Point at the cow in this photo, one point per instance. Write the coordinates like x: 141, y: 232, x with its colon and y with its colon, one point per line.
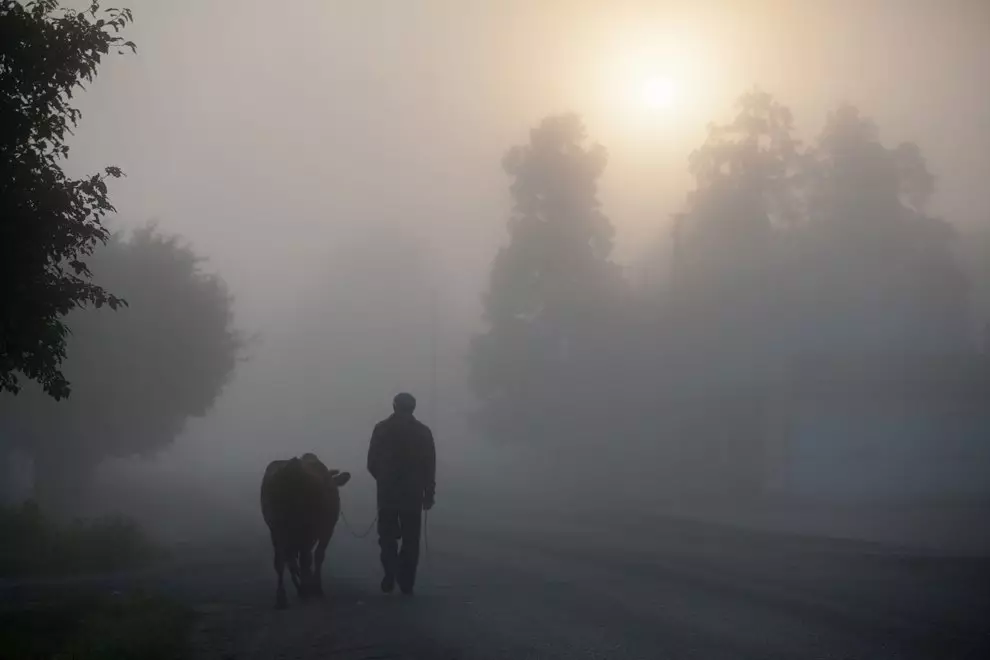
x: 300, y: 503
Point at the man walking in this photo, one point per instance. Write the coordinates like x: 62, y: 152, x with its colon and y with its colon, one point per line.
x: 402, y: 459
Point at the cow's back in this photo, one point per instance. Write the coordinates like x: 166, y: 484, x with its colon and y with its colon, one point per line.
x: 298, y: 499
x: 326, y: 507
x: 288, y: 494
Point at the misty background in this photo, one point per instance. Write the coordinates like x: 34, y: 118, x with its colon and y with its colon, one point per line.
x: 340, y: 167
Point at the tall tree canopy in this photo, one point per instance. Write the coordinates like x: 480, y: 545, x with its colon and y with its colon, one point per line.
x: 139, y: 373
x: 785, y: 252
x: 976, y: 255
x: 879, y: 272
x: 832, y: 241
x: 551, y: 281
x: 49, y: 223
x: 731, y: 240
x: 745, y: 174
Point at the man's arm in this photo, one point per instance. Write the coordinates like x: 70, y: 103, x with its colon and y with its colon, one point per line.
x: 430, y: 489
x: 375, y: 452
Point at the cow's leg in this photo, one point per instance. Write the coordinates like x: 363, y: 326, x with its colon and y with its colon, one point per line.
x: 281, y: 602
x: 321, y: 553
x: 292, y: 561
x: 305, y: 571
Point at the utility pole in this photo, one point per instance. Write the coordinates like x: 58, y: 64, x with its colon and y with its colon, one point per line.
x: 676, y: 253
x: 433, y: 355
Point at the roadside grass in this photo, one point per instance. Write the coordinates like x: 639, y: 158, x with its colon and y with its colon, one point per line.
x: 86, y: 625
x: 80, y: 623
x: 32, y: 544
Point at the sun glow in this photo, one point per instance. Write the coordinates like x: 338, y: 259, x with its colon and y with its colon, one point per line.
x: 658, y: 92
x: 658, y: 80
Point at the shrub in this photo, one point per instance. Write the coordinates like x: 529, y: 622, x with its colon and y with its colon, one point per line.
x: 33, y: 544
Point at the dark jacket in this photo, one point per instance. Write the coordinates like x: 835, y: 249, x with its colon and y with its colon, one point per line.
x: 402, y: 459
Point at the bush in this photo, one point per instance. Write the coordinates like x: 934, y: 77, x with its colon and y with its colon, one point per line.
x: 85, y: 626
x: 32, y: 544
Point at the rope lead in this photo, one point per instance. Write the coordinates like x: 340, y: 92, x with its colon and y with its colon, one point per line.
x: 347, y: 526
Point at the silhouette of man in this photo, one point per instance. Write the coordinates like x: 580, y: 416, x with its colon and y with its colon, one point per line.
x: 402, y: 459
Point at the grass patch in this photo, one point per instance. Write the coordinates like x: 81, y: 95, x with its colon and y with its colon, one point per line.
x: 87, y: 626
x: 33, y: 544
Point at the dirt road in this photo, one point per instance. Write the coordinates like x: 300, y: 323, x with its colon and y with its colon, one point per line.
x: 674, y: 590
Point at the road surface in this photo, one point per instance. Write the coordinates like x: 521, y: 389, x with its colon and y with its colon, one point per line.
x: 662, y: 589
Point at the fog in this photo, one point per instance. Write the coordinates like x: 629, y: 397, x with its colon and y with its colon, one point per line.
x: 340, y: 166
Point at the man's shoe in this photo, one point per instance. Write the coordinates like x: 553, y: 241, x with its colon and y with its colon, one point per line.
x: 388, y: 584
x: 407, y: 589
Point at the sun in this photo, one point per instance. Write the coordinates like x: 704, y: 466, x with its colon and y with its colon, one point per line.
x: 655, y: 82
x: 658, y: 92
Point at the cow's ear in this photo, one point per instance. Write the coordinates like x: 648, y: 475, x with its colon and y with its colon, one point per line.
x: 340, y: 479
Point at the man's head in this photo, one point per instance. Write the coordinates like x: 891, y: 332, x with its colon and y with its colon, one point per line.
x: 404, y: 403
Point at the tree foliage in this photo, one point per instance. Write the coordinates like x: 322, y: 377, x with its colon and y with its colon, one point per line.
x: 976, y: 255
x: 833, y: 241
x: 879, y: 271
x: 730, y: 257
x: 745, y: 174
x: 549, y: 283
x: 49, y: 222
x: 784, y: 253
x: 139, y: 373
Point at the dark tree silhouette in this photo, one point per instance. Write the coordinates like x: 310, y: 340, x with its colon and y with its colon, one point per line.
x: 551, y: 281
x: 730, y: 283
x: 832, y: 242
x: 790, y: 258
x: 745, y: 176
x: 139, y: 373
x: 976, y: 255
x: 879, y: 273
x: 49, y: 223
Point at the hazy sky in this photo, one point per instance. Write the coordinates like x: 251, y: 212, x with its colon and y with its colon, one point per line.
x: 286, y: 139
x: 265, y: 132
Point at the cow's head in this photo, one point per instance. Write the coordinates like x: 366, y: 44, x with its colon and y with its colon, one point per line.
x: 334, y: 478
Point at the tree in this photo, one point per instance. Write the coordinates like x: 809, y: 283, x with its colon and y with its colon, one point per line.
x: 833, y: 242
x: 745, y: 176
x: 879, y: 272
x: 975, y: 248
x: 49, y: 223
x: 731, y: 244
x: 549, y: 284
x: 788, y: 252
x: 138, y: 373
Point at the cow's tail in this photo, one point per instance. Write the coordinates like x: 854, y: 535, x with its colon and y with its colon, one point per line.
x: 292, y: 562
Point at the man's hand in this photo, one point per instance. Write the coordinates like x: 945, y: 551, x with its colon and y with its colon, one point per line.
x: 427, y: 503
